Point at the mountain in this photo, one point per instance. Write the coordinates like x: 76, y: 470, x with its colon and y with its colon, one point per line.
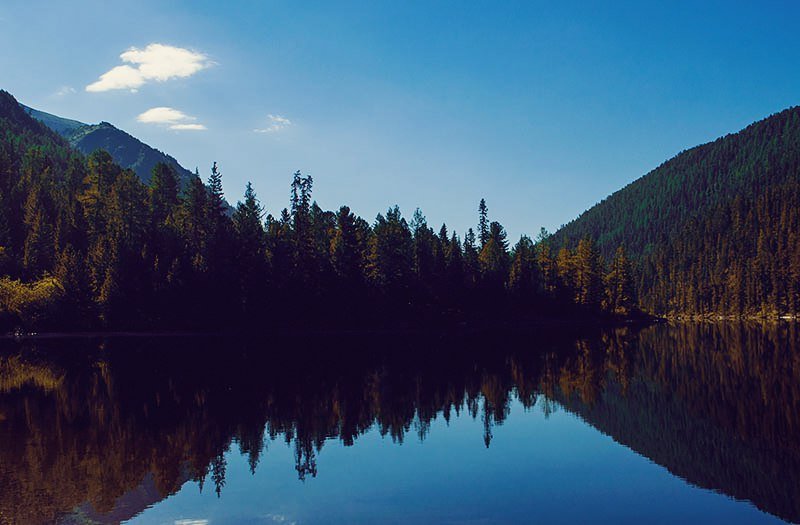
x: 714, y: 230
x: 125, y: 149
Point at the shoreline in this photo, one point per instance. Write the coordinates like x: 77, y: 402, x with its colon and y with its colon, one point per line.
x: 464, y: 326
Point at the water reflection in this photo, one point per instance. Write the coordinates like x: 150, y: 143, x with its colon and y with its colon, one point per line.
x: 98, y: 430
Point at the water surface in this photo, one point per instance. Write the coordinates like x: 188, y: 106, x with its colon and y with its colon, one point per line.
x: 686, y: 423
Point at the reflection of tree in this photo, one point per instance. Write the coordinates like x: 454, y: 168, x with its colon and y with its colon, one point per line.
x: 713, y: 404
x: 139, y: 411
x: 218, y: 465
x: 305, y: 458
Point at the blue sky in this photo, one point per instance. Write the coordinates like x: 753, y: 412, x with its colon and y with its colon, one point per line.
x: 542, y: 109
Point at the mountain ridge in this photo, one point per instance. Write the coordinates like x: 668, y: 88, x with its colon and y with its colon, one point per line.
x: 573, y: 229
x: 126, y: 150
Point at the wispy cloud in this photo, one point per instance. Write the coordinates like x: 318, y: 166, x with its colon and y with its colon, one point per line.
x: 275, y: 123
x: 280, y: 518
x: 156, y: 62
x: 188, y: 127
x: 170, y: 117
x: 63, y: 91
x: 191, y: 522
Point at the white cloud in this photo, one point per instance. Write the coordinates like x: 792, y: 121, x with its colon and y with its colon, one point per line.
x: 163, y: 115
x: 170, y: 117
x: 120, y: 77
x: 276, y: 123
x: 156, y: 62
x: 191, y: 522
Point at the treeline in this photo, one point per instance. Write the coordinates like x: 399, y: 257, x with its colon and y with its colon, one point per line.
x: 86, y: 244
x: 713, y: 231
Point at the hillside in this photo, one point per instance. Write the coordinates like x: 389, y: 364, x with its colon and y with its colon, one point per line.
x: 715, y: 229
x: 125, y: 149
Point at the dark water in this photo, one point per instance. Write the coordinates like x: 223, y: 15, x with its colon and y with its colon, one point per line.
x: 672, y: 424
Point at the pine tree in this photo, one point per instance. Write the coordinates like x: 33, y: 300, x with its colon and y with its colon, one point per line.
x: 454, y: 258
x: 251, y: 259
x: 620, y: 286
x: 72, y: 274
x: 493, y: 258
x: 588, y: 277
x: 390, y: 254
x: 424, y: 258
x: 247, y: 221
x: 219, y: 252
x: 471, y: 264
x: 483, y: 223
x: 39, y: 250
x: 194, y: 222
x: 164, y: 191
x: 522, y: 275
x: 345, y: 249
x: 548, y: 270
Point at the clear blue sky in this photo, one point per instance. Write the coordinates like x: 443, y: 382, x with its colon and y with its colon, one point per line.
x: 543, y: 108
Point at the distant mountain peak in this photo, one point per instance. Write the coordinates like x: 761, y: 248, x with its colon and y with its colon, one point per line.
x: 126, y: 150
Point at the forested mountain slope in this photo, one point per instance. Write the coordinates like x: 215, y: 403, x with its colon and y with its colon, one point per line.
x: 715, y: 229
x: 125, y: 149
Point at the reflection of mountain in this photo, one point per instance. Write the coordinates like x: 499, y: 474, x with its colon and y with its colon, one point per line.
x: 88, y: 440
x: 125, y: 507
x: 717, y: 408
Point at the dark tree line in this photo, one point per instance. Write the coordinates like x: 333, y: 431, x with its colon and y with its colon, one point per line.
x: 87, y: 244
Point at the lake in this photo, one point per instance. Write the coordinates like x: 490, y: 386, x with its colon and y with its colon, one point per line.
x: 669, y: 424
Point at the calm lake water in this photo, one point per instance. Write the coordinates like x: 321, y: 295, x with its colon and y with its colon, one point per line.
x: 690, y: 423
